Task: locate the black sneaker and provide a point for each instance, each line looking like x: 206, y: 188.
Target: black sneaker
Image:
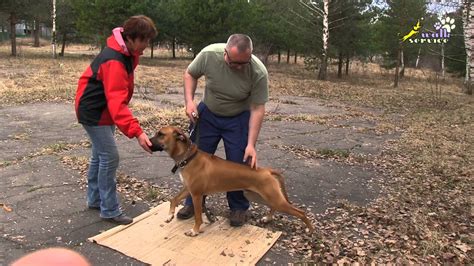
x: 121, y: 219
x: 238, y: 217
x: 186, y: 212
x: 94, y: 208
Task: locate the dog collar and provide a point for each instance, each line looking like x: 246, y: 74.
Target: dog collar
x: 184, y: 162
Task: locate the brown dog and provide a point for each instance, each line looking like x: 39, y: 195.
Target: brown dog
x: 204, y: 174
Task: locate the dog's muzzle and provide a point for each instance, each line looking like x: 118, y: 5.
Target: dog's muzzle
x: 156, y: 147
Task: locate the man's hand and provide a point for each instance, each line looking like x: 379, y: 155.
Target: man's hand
x: 191, y: 112
x: 190, y: 84
x: 144, y: 142
x: 252, y: 153
x: 257, y: 111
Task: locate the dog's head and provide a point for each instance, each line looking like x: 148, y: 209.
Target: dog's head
x: 169, y: 139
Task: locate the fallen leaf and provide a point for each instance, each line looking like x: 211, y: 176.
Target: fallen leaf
x: 6, y: 208
x: 361, y: 252
x: 448, y: 256
x: 463, y: 247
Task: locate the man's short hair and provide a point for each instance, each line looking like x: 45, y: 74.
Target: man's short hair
x: 141, y: 27
x: 241, y: 41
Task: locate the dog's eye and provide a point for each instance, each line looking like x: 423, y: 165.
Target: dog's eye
x: 160, y: 134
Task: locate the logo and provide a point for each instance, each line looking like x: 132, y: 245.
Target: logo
x: 441, y: 33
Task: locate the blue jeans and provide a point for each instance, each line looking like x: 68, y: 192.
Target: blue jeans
x: 234, y: 131
x: 101, y: 178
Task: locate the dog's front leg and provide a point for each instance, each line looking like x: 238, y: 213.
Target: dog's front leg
x: 197, y: 202
x: 175, y: 201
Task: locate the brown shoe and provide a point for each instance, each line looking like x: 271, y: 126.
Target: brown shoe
x: 186, y: 212
x: 237, y: 217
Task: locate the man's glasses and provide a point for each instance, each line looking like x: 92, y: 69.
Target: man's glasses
x: 236, y: 63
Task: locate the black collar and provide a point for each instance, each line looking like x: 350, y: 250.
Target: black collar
x: 184, y: 162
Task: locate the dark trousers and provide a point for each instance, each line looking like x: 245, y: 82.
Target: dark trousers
x: 234, y: 131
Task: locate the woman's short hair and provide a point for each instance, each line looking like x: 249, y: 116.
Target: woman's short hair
x: 141, y: 27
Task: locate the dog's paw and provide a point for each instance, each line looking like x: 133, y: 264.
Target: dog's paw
x: 170, y: 218
x: 191, y: 233
x: 266, y: 219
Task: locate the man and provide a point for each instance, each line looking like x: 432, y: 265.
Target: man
x: 232, y: 109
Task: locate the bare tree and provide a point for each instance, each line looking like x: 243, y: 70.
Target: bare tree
x: 397, y: 67
x: 13, y: 21
x: 322, y: 75
x: 36, y: 30
x: 468, y: 22
x: 53, y: 37
x: 418, y: 58
x: 319, y: 18
x: 443, y: 68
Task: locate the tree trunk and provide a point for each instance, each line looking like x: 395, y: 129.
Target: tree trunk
x: 279, y: 56
x: 395, y: 82
x: 347, y: 64
x: 288, y: 57
x: 63, y: 45
x: 468, y: 22
x: 322, y: 75
x: 174, y: 47
x: 36, y: 33
x: 339, y: 66
x: 418, y: 58
x: 263, y: 56
x: 296, y: 56
x: 152, y: 48
x: 402, y: 63
x: 443, y: 71
x: 53, y: 34
x: 13, y: 32
x: 101, y: 40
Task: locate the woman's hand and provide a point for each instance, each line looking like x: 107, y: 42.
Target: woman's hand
x: 144, y: 142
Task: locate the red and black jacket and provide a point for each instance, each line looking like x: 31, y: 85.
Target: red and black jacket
x: 105, y: 89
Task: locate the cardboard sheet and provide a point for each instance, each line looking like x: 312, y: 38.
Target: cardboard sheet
x: 151, y: 240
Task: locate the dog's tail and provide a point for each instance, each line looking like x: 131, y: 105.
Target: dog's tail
x: 281, y: 180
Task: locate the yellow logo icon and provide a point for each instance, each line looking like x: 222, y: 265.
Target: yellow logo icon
x: 414, y: 31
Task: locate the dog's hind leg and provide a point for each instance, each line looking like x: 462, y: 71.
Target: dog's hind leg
x: 175, y: 201
x: 284, y: 206
x: 277, y: 201
x: 210, y: 215
x: 269, y: 217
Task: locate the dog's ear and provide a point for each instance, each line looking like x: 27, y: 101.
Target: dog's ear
x: 179, y: 135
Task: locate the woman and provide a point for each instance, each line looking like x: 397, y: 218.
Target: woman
x: 103, y: 93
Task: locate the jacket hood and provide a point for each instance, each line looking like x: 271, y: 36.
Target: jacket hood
x: 116, y: 42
